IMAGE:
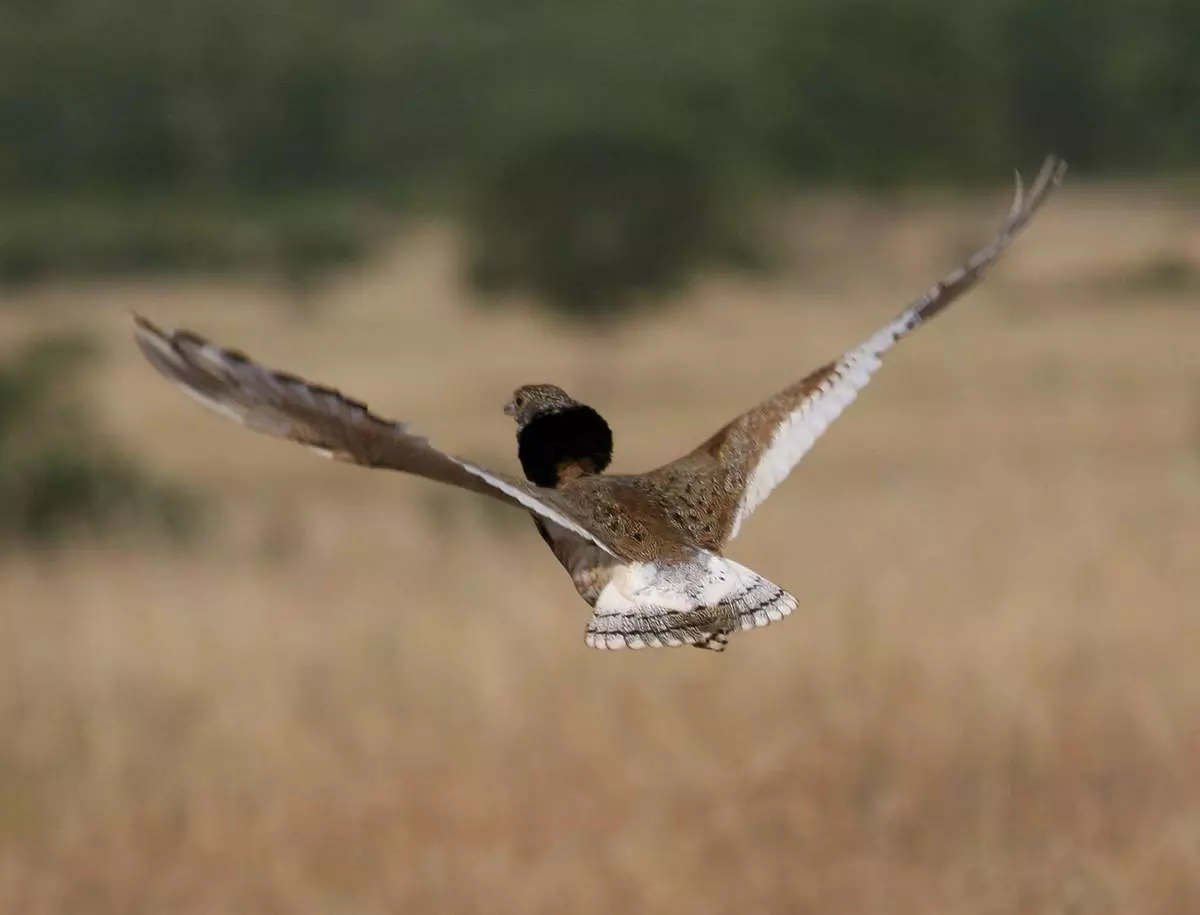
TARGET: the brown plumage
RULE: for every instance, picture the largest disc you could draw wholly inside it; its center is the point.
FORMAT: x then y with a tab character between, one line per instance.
643	550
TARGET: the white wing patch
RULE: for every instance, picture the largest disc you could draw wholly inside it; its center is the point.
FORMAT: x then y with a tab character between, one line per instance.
529	500
799	431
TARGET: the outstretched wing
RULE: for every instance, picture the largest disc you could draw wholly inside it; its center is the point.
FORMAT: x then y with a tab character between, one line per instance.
753	454
332	424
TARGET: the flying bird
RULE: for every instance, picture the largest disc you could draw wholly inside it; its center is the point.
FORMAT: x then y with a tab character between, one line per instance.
645	551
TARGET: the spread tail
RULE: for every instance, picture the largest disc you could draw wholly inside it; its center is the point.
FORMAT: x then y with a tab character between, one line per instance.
699	602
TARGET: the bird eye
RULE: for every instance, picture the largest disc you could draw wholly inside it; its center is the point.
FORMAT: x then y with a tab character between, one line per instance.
519	400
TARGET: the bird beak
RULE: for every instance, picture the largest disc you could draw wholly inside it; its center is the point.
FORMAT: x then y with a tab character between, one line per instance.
510	409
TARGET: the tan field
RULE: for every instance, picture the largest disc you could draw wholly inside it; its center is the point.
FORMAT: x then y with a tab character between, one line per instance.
364	694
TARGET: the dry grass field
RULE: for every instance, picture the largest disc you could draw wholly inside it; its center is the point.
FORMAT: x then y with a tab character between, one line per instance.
366	695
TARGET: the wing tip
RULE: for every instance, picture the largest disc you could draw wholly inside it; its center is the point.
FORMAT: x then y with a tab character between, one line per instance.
143	327
1049	177
156	345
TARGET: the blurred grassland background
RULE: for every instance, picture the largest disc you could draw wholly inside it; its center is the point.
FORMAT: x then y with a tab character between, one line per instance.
235	678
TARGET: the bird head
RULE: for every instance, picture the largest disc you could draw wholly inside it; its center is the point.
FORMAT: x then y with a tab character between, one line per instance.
533	400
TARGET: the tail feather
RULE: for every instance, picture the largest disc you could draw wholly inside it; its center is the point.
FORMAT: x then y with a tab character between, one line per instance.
699	602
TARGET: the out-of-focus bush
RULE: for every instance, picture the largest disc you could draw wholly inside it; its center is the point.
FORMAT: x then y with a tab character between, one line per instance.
58	477
91	240
595	225
279	98
416	103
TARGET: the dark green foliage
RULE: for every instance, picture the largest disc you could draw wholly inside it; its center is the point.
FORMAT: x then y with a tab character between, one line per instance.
881	93
295	97
594	224
1167	274
57	476
184	102
99	239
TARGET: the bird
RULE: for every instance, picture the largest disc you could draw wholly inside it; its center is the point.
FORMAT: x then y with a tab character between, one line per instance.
645	551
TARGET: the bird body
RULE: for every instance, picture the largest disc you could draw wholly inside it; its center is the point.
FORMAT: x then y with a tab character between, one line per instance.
645	551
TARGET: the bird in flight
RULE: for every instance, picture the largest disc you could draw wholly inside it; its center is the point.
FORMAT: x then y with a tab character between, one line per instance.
645	551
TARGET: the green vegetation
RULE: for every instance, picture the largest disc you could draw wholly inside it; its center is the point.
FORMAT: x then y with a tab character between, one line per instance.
57	475
87	238
275	98
1170	273
566	135
595	225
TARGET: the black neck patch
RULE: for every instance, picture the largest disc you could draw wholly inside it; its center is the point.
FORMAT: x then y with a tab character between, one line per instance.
576	435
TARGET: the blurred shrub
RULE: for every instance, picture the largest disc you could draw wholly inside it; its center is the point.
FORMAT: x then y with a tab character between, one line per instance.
57	476
1168	273
883	93
90	240
263	102
594	224
277	97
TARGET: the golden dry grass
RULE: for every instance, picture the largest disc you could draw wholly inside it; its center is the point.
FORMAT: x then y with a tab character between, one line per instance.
366	695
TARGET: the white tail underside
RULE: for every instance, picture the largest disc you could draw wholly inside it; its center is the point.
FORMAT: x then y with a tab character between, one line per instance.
699	602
